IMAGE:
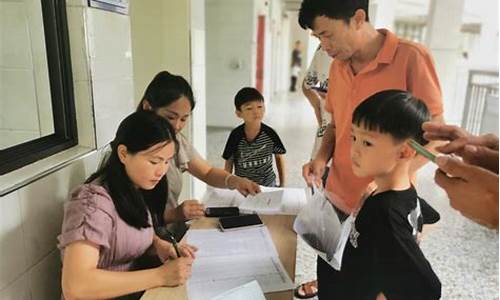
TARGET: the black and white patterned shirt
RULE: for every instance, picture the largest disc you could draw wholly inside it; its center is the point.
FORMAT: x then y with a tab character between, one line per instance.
254	160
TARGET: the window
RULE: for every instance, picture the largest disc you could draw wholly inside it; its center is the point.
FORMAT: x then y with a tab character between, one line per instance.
37	113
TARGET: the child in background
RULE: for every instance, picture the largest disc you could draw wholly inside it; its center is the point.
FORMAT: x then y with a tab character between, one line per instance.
382	259
251	146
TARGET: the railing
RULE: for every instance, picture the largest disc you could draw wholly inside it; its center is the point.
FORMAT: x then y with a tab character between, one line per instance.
481	103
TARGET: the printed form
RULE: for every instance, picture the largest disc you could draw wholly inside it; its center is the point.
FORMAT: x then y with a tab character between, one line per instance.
226	260
286	201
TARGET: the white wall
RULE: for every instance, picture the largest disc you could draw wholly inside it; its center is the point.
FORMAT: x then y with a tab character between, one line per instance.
230	38
31	217
169	35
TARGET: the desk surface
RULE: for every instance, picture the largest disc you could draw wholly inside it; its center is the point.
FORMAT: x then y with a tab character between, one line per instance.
285	241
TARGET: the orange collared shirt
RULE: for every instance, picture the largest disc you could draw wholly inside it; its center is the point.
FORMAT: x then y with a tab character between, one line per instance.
399	64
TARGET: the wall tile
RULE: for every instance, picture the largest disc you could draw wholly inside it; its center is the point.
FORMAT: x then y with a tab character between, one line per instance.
18	290
113	101
17	91
84	113
109	60
13	258
42	209
14	32
78	43
45	278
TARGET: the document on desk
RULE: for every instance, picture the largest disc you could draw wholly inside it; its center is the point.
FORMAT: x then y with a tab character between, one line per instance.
286	201
226	260
247	291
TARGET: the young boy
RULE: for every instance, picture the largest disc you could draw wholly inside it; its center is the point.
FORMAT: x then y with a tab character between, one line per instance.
382	259
251	146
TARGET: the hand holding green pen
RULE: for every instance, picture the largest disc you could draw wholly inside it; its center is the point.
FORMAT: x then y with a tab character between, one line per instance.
422	151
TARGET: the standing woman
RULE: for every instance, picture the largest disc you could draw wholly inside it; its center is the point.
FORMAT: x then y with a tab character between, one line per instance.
109	220
170	96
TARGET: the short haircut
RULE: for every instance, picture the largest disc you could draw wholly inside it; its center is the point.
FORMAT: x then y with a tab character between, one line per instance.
394	112
245	95
333	9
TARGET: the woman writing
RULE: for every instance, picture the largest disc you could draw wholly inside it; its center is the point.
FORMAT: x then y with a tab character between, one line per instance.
171	97
109	220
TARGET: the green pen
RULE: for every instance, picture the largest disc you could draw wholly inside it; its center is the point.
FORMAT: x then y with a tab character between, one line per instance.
422	151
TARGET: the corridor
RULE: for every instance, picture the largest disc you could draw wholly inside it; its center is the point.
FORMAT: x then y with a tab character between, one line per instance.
462	253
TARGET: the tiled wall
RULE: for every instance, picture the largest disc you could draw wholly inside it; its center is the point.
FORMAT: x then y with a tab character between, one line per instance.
24	74
30	218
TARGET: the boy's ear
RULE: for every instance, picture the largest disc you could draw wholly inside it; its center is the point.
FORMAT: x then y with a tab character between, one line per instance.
406	152
238	113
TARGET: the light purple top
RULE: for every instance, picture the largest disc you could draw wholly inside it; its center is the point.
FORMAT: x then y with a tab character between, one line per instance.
90	215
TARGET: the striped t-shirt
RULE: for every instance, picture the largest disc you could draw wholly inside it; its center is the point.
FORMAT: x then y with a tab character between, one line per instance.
254	160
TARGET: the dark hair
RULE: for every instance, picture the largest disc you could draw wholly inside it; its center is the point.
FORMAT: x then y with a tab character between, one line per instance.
333	9
165	89
395	112
245	95
139	131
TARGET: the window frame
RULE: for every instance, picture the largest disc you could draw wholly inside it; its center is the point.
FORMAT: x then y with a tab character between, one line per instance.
61	90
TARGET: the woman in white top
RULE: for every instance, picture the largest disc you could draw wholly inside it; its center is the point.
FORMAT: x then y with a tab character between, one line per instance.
171	97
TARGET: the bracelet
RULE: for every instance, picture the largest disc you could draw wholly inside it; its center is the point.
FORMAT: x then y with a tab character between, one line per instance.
226	181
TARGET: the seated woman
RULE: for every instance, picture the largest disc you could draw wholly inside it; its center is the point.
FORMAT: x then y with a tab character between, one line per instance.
109	220
170	96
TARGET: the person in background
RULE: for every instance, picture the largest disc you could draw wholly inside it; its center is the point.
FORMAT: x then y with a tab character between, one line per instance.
314	87
251	146
295	66
471	183
109	221
170	96
366	61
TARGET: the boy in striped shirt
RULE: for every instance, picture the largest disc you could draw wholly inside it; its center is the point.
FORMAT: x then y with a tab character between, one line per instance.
251	146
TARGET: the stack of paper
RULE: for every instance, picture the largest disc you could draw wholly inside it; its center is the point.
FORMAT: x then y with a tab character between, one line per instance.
226	260
287	201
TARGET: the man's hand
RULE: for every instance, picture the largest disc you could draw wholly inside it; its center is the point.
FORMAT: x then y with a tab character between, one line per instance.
472	190
477	150
313	171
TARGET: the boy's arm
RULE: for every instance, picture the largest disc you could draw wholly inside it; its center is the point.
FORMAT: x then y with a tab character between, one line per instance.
228	165
280	164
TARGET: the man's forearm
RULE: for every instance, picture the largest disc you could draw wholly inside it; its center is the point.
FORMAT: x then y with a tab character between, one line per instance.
325	152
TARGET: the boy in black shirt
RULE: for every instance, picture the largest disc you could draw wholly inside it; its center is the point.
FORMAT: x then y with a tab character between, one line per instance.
382	259
251	146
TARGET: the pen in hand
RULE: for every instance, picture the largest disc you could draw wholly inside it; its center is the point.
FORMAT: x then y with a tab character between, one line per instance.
165	234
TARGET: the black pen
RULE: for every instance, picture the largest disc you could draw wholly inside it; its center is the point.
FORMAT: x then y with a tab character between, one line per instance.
165	234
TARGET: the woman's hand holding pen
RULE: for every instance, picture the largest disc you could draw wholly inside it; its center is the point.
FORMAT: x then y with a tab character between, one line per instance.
185	250
175	272
166	250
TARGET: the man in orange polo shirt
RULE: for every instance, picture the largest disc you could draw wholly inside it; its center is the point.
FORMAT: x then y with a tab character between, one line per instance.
366	61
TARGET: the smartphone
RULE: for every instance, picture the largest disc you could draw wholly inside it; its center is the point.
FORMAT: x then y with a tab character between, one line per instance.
239	222
222	212
422	151
319	89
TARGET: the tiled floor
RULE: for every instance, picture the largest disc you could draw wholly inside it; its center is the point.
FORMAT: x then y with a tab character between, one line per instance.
464	255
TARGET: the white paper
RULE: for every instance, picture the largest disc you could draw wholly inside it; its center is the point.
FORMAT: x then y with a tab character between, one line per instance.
263	203
247	291
226	260
287	201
